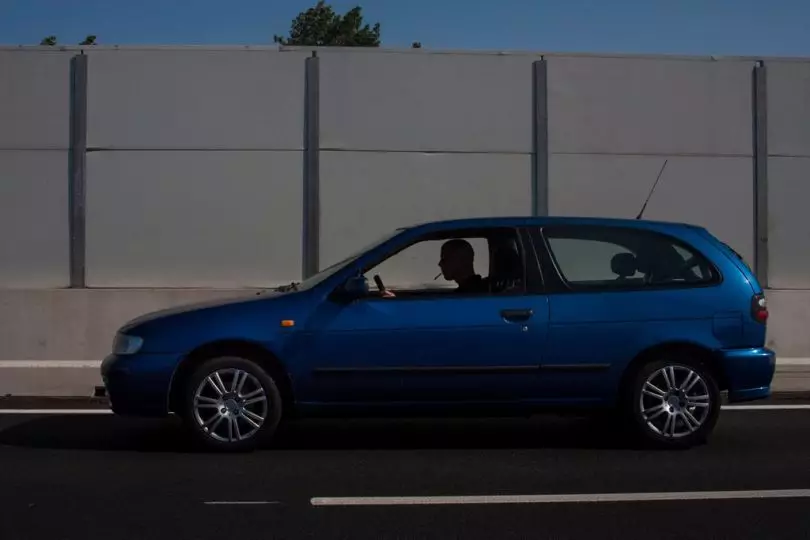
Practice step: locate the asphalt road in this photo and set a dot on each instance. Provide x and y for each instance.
(98, 476)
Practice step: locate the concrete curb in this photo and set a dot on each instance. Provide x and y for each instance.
(79, 378)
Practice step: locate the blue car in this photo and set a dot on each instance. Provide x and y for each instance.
(646, 320)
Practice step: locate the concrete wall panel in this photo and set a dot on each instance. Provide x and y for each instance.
(34, 99)
(716, 193)
(79, 324)
(365, 195)
(426, 102)
(193, 219)
(788, 224)
(34, 232)
(788, 323)
(789, 108)
(649, 106)
(173, 99)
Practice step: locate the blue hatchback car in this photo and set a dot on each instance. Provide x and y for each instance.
(649, 320)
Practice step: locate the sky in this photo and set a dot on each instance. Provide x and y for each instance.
(701, 27)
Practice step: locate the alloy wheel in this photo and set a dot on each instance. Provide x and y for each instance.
(675, 401)
(230, 405)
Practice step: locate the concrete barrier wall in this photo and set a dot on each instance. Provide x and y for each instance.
(788, 192)
(193, 218)
(407, 138)
(195, 167)
(788, 174)
(34, 232)
(614, 121)
(34, 99)
(80, 324)
(195, 99)
(34, 140)
(194, 175)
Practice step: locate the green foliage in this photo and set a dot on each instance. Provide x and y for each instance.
(50, 41)
(321, 26)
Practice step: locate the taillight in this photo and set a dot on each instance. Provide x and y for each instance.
(759, 308)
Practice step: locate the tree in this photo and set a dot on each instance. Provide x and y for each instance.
(321, 26)
(50, 41)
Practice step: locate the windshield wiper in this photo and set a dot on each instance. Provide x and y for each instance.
(293, 286)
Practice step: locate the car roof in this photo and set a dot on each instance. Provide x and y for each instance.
(529, 221)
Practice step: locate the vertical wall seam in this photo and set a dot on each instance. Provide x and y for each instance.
(77, 187)
(540, 138)
(312, 206)
(760, 145)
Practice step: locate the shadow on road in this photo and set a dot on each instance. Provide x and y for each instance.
(110, 433)
(95, 433)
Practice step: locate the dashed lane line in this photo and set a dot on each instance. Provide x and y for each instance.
(561, 498)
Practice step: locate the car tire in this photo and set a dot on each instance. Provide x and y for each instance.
(231, 404)
(672, 403)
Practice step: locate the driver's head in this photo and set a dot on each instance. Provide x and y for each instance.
(456, 261)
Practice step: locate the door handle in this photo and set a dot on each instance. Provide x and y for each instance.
(517, 315)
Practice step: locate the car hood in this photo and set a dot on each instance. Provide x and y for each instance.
(241, 298)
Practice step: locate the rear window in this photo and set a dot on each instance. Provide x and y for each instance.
(589, 257)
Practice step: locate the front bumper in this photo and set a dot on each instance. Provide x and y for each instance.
(749, 373)
(138, 385)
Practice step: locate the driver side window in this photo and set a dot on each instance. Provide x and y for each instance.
(469, 262)
(417, 266)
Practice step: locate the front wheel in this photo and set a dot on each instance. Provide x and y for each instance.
(231, 404)
(674, 403)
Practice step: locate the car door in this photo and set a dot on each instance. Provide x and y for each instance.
(442, 347)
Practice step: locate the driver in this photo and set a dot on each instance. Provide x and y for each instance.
(456, 263)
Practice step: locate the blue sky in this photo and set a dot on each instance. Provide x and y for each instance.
(721, 27)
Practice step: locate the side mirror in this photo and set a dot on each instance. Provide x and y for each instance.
(355, 287)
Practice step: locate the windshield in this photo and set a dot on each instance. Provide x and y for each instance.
(326, 273)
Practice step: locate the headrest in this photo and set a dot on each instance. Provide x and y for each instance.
(623, 264)
(506, 260)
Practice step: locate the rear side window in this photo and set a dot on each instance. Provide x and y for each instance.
(588, 257)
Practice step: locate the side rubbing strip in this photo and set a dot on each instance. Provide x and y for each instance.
(428, 370)
(574, 368)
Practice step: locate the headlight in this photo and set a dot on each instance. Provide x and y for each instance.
(124, 344)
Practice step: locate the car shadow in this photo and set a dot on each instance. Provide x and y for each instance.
(111, 433)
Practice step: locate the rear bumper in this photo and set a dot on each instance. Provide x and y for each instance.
(749, 373)
(138, 385)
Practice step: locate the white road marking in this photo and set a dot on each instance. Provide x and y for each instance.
(239, 503)
(55, 411)
(50, 364)
(785, 407)
(566, 498)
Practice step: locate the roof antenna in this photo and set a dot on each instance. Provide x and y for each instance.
(652, 190)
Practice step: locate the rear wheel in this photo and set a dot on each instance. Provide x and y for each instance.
(231, 404)
(673, 403)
